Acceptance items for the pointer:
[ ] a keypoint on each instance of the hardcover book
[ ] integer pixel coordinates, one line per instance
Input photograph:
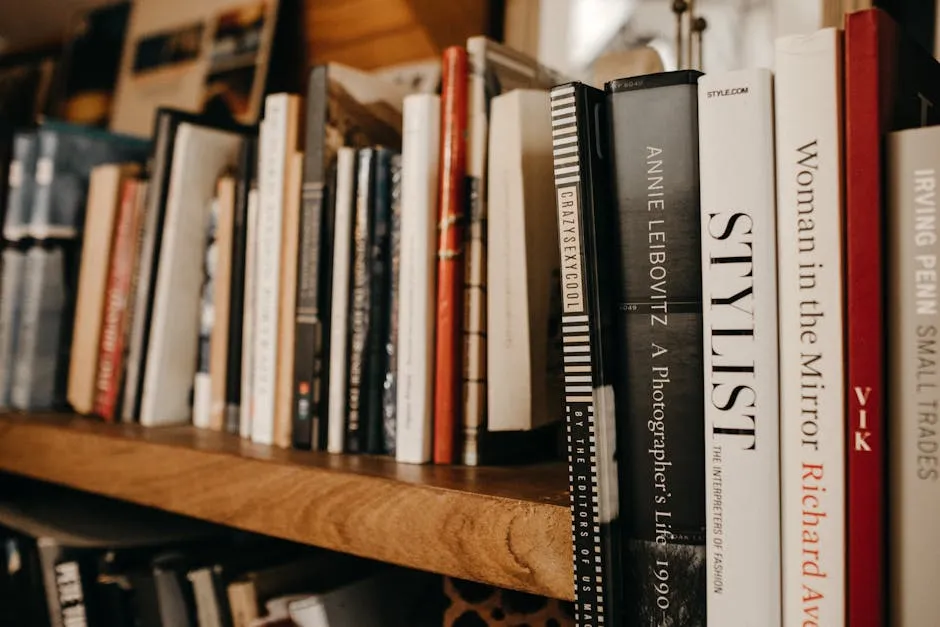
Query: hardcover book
(739, 286)
(660, 405)
(890, 84)
(450, 252)
(393, 285)
(202, 381)
(417, 300)
(913, 323)
(581, 159)
(21, 184)
(345, 107)
(808, 104)
(11, 308)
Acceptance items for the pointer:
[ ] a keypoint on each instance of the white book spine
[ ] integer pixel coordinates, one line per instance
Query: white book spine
(248, 317)
(11, 302)
(913, 169)
(417, 264)
(345, 192)
(272, 169)
(739, 283)
(812, 359)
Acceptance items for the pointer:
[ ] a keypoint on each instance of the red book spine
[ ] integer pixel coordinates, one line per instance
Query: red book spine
(111, 347)
(450, 262)
(870, 45)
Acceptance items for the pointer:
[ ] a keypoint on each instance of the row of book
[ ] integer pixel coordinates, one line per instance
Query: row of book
(750, 316)
(75, 559)
(312, 283)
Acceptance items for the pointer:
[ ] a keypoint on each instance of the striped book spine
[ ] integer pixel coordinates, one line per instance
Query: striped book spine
(580, 185)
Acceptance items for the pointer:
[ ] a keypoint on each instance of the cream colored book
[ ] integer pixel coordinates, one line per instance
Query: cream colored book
(105, 189)
(222, 287)
(523, 307)
(284, 394)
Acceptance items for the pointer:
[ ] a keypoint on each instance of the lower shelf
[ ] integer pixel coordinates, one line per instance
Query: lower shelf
(509, 527)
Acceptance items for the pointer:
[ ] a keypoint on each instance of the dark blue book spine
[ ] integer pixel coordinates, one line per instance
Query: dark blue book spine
(660, 405)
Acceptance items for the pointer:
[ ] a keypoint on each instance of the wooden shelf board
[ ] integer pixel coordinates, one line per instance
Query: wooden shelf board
(509, 527)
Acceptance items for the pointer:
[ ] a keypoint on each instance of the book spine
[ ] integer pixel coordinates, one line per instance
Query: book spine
(221, 304)
(659, 399)
(474, 280)
(389, 393)
(870, 47)
(450, 253)
(379, 272)
(40, 215)
(21, 181)
(417, 302)
(271, 172)
(360, 300)
(11, 303)
(309, 365)
(812, 371)
(739, 286)
(913, 163)
(237, 290)
(339, 316)
(111, 342)
(248, 318)
(140, 214)
(583, 205)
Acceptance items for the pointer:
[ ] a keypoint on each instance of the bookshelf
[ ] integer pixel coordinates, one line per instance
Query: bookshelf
(509, 527)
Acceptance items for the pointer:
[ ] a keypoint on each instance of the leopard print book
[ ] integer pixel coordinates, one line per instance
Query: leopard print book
(478, 605)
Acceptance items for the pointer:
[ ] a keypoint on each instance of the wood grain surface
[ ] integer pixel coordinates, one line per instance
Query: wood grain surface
(509, 527)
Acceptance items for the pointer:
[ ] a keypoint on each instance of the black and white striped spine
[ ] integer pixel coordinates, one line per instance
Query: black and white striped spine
(578, 366)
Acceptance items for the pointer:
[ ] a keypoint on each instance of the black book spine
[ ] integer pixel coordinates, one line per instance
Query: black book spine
(309, 417)
(390, 390)
(380, 272)
(233, 371)
(360, 304)
(660, 406)
(585, 221)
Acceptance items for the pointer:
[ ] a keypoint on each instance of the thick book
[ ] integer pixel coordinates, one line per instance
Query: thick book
(277, 142)
(116, 293)
(912, 162)
(339, 319)
(660, 405)
(493, 69)
(808, 105)
(739, 288)
(345, 107)
(21, 184)
(582, 171)
(107, 194)
(376, 359)
(524, 348)
(416, 301)
(65, 158)
(200, 156)
(451, 203)
(890, 84)
(357, 392)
